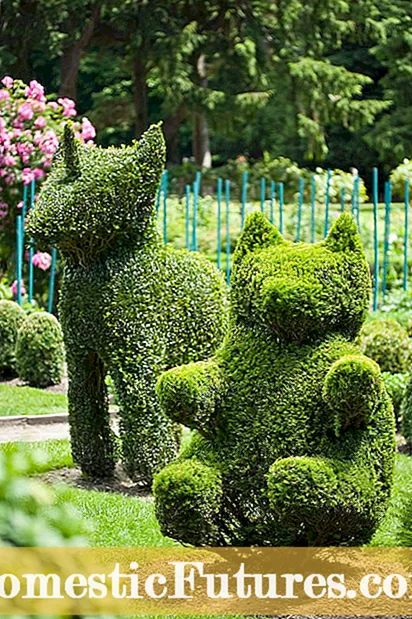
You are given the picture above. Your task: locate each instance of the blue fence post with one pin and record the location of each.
(388, 200)
(244, 198)
(300, 206)
(198, 182)
(375, 239)
(405, 239)
(159, 193)
(194, 222)
(312, 208)
(327, 201)
(165, 190)
(227, 199)
(272, 201)
(19, 257)
(187, 217)
(262, 194)
(219, 222)
(281, 204)
(52, 280)
(31, 248)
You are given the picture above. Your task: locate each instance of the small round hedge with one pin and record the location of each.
(40, 350)
(387, 343)
(11, 319)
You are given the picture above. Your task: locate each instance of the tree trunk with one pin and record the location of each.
(171, 128)
(72, 55)
(140, 93)
(201, 141)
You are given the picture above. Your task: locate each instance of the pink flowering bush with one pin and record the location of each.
(30, 127)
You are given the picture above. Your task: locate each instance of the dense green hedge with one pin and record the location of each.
(11, 319)
(40, 350)
(294, 431)
(386, 342)
(129, 305)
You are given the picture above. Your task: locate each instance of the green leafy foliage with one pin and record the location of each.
(294, 431)
(11, 319)
(40, 350)
(387, 343)
(31, 514)
(129, 305)
(395, 385)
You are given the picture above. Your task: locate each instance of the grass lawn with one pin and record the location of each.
(29, 401)
(44, 456)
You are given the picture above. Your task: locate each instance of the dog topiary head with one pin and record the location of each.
(94, 195)
(298, 291)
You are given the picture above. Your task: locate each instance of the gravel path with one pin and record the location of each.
(26, 432)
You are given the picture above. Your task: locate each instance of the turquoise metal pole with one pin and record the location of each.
(198, 182)
(31, 248)
(187, 217)
(52, 280)
(388, 200)
(165, 189)
(272, 201)
(227, 199)
(405, 239)
(24, 207)
(300, 207)
(281, 204)
(375, 240)
(194, 222)
(353, 198)
(262, 194)
(244, 197)
(342, 199)
(357, 203)
(219, 222)
(312, 207)
(327, 201)
(159, 192)
(19, 256)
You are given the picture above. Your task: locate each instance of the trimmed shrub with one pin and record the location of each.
(40, 350)
(11, 319)
(294, 438)
(387, 343)
(129, 305)
(396, 387)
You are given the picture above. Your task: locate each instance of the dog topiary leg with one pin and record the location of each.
(93, 442)
(188, 500)
(148, 437)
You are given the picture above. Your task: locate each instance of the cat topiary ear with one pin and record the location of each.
(344, 235)
(258, 233)
(71, 151)
(151, 151)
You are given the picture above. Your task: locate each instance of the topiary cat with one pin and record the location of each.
(294, 441)
(129, 304)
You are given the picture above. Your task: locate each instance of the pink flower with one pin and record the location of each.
(26, 111)
(68, 106)
(49, 142)
(42, 260)
(4, 94)
(20, 204)
(4, 210)
(27, 176)
(38, 173)
(88, 131)
(40, 122)
(35, 91)
(9, 160)
(7, 81)
(14, 288)
(53, 105)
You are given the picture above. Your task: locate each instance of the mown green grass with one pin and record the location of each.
(43, 456)
(30, 401)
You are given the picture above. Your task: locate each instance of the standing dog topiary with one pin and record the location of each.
(294, 432)
(128, 305)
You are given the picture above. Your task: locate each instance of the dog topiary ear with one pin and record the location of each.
(344, 235)
(151, 152)
(258, 233)
(71, 151)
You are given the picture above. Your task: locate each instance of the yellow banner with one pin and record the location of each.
(213, 581)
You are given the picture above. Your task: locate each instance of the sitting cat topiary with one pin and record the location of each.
(294, 441)
(129, 305)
